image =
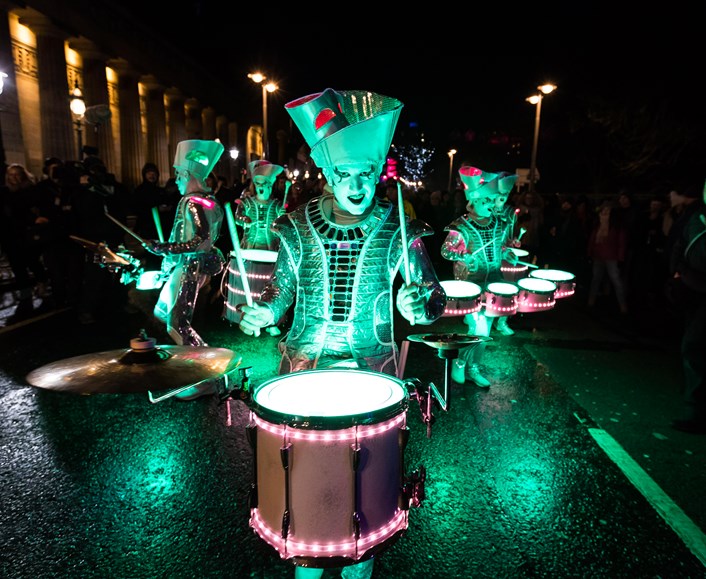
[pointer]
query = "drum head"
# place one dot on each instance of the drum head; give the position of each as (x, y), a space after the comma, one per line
(456, 288)
(552, 275)
(330, 398)
(502, 289)
(539, 285)
(149, 280)
(519, 252)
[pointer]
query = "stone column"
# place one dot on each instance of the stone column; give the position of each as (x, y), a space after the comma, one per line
(194, 124)
(98, 130)
(176, 121)
(157, 145)
(131, 149)
(56, 120)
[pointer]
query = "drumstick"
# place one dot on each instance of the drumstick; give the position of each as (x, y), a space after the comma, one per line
(403, 232)
(158, 223)
(287, 185)
(528, 264)
(482, 247)
(125, 227)
(238, 253)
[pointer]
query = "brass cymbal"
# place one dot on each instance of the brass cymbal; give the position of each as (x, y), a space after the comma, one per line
(107, 255)
(448, 341)
(141, 368)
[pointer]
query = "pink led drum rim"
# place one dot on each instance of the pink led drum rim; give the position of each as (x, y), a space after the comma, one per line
(462, 297)
(565, 281)
(286, 511)
(536, 295)
(500, 299)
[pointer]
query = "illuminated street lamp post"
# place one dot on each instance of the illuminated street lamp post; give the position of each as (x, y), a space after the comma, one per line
(451, 154)
(536, 100)
(78, 109)
(3, 76)
(260, 78)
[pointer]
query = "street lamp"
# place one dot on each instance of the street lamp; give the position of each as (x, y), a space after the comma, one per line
(3, 76)
(260, 78)
(451, 154)
(536, 100)
(78, 109)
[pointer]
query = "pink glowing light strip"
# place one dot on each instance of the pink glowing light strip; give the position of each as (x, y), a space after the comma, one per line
(344, 435)
(250, 275)
(562, 294)
(495, 308)
(461, 311)
(287, 548)
(207, 203)
(540, 305)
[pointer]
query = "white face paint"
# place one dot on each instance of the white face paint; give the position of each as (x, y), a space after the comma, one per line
(500, 202)
(263, 188)
(483, 206)
(354, 185)
(181, 178)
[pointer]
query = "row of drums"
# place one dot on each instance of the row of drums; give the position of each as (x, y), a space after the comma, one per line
(537, 292)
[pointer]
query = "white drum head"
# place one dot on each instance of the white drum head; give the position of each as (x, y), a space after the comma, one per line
(456, 288)
(261, 255)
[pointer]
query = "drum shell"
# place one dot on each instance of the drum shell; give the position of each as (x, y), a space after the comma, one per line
(259, 265)
(500, 299)
(511, 273)
(469, 302)
(565, 281)
(324, 489)
(533, 296)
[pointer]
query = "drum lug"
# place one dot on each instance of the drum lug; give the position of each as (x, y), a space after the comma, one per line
(241, 392)
(413, 493)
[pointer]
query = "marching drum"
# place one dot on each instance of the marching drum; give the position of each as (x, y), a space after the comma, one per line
(535, 295)
(514, 272)
(500, 299)
(565, 281)
(462, 297)
(259, 265)
(328, 464)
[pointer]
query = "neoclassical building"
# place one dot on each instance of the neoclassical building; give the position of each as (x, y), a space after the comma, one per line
(142, 95)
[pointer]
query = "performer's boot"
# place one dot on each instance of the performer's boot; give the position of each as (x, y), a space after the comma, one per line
(503, 328)
(458, 371)
(473, 367)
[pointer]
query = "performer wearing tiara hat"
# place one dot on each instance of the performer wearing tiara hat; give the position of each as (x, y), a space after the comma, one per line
(340, 252)
(256, 211)
(477, 243)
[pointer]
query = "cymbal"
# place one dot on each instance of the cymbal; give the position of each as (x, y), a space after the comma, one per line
(108, 256)
(448, 341)
(141, 368)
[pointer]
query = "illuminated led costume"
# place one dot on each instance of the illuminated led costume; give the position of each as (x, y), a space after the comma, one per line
(339, 253)
(190, 257)
(256, 211)
(477, 243)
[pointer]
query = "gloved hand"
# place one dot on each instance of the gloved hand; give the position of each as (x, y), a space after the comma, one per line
(411, 303)
(471, 262)
(510, 256)
(255, 317)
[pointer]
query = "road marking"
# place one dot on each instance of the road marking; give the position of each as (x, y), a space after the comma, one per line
(682, 525)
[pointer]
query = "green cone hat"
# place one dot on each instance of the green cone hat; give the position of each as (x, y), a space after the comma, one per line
(346, 126)
(262, 168)
(198, 157)
(477, 183)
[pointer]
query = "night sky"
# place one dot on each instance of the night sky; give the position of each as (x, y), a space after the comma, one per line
(462, 74)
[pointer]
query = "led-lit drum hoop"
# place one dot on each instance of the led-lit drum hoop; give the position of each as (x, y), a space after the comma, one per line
(565, 281)
(514, 272)
(500, 299)
(462, 297)
(328, 464)
(536, 295)
(259, 265)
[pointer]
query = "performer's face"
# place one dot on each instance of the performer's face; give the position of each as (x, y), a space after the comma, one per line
(483, 206)
(181, 178)
(263, 188)
(500, 202)
(353, 185)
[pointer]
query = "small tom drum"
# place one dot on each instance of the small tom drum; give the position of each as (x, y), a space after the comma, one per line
(259, 265)
(511, 272)
(328, 464)
(536, 295)
(565, 281)
(462, 297)
(501, 299)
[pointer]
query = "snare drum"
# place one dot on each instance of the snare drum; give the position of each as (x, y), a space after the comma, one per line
(500, 299)
(259, 265)
(565, 281)
(328, 464)
(462, 297)
(511, 272)
(536, 295)
(149, 280)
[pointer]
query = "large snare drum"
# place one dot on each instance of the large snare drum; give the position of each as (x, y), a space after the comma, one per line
(259, 265)
(462, 297)
(536, 295)
(514, 272)
(564, 280)
(328, 467)
(500, 299)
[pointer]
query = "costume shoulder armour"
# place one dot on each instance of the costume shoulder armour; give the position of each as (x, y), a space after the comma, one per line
(455, 225)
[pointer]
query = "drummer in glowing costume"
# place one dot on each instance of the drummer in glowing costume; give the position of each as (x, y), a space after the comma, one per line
(255, 213)
(508, 215)
(477, 243)
(339, 253)
(189, 257)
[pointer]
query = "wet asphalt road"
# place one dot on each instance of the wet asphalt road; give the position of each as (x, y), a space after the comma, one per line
(565, 467)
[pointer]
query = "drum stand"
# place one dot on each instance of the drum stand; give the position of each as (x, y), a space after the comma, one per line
(447, 347)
